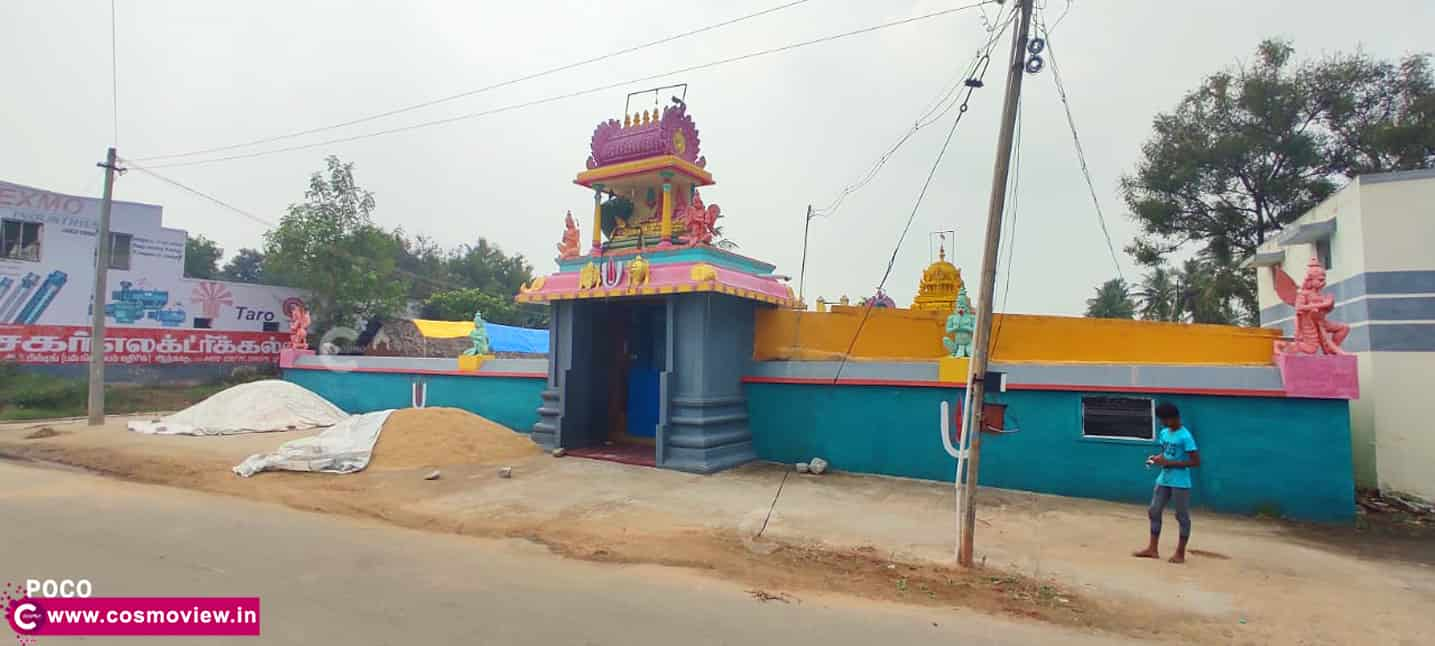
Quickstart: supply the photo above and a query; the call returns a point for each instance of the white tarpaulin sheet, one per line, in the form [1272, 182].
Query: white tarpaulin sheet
[345, 447]
[256, 407]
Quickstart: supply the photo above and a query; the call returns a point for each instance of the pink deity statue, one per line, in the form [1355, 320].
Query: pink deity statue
[569, 247]
[299, 327]
[700, 222]
[1314, 333]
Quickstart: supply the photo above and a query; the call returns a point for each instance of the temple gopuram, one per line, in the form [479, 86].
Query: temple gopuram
[941, 281]
[652, 327]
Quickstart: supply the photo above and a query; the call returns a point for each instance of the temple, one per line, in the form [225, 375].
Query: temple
[652, 329]
[940, 283]
[665, 349]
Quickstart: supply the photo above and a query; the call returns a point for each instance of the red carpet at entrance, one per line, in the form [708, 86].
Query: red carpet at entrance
[635, 454]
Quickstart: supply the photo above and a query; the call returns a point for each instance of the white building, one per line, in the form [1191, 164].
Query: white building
[1376, 238]
[47, 264]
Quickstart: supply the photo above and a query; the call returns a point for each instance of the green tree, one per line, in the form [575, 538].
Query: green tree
[1200, 291]
[1380, 114]
[201, 257]
[426, 262]
[1254, 147]
[1112, 301]
[485, 266]
[460, 304]
[329, 246]
[1158, 295]
[1213, 292]
[247, 266]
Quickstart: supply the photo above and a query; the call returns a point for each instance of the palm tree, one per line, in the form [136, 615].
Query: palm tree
[1112, 301]
[722, 242]
[1211, 293]
[1158, 295]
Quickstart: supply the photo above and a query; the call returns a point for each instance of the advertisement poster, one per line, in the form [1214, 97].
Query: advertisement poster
[47, 258]
[60, 344]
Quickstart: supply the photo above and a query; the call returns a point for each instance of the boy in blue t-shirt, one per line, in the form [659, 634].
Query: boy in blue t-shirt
[1178, 455]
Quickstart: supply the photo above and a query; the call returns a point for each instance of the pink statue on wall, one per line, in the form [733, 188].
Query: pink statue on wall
[700, 222]
[299, 327]
[569, 247]
[1314, 333]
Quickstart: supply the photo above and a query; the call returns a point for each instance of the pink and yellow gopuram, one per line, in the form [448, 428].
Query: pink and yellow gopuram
[651, 233]
[652, 324]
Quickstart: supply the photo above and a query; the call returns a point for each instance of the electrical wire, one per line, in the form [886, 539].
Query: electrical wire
[1080, 151]
[930, 116]
[867, 311]
[432, 282]
[1013, 198]
[481, 90]
[1065, 10]
[591, 90]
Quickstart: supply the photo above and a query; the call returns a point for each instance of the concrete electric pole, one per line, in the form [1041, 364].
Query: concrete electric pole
[976, 381]
[97, 304]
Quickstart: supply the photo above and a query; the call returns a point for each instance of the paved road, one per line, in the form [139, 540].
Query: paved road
[331, 580]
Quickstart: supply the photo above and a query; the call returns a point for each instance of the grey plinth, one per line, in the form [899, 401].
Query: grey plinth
[703, 426]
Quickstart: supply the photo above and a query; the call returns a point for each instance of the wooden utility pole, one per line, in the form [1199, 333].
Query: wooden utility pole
[97, 304]
[1016, 66]
[802, 273]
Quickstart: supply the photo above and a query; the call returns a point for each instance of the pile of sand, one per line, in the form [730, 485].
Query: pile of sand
[429, 437]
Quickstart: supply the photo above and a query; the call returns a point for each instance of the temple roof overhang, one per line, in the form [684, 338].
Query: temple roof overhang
[656, 272]
[644, 172]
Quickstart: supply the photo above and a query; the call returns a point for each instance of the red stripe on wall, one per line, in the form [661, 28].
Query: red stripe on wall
[813, 381]
[427, 371]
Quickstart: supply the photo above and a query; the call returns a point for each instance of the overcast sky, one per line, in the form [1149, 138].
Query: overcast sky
[779, 131]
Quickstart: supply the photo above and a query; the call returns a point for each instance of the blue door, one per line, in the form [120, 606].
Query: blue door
[646, 343]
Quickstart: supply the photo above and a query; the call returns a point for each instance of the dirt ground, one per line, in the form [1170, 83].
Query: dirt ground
[1049, 558]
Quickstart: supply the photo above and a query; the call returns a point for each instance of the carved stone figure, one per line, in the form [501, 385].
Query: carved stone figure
[299, 327]
[569, 247]
[637, 272]
[880, 299]
[589, 277]
[479, 337]
[960, 326]
[700, 222]
[702, 272]
[1314, 333]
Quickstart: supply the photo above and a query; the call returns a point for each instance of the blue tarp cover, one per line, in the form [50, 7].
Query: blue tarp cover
[506, 338]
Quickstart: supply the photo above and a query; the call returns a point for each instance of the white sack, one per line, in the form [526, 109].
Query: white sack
[255, 407]
[345, 447]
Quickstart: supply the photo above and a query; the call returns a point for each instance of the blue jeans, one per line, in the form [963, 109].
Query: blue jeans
[1180, 498]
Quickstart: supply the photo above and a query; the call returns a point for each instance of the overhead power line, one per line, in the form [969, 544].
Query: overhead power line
[933, 114]
[1014, 199]
[984, 63]
[1080, 151]
[578, 93]
[486, 88]
[433, 282]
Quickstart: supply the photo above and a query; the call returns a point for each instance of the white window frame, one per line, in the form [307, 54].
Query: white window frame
[39, 239]
[129, 250]
[1151, 401]
[1322, 249]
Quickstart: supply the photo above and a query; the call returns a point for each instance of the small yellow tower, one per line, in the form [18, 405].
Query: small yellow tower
[940, 282]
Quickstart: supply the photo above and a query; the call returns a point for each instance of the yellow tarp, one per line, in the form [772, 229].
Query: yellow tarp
[444, 329]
